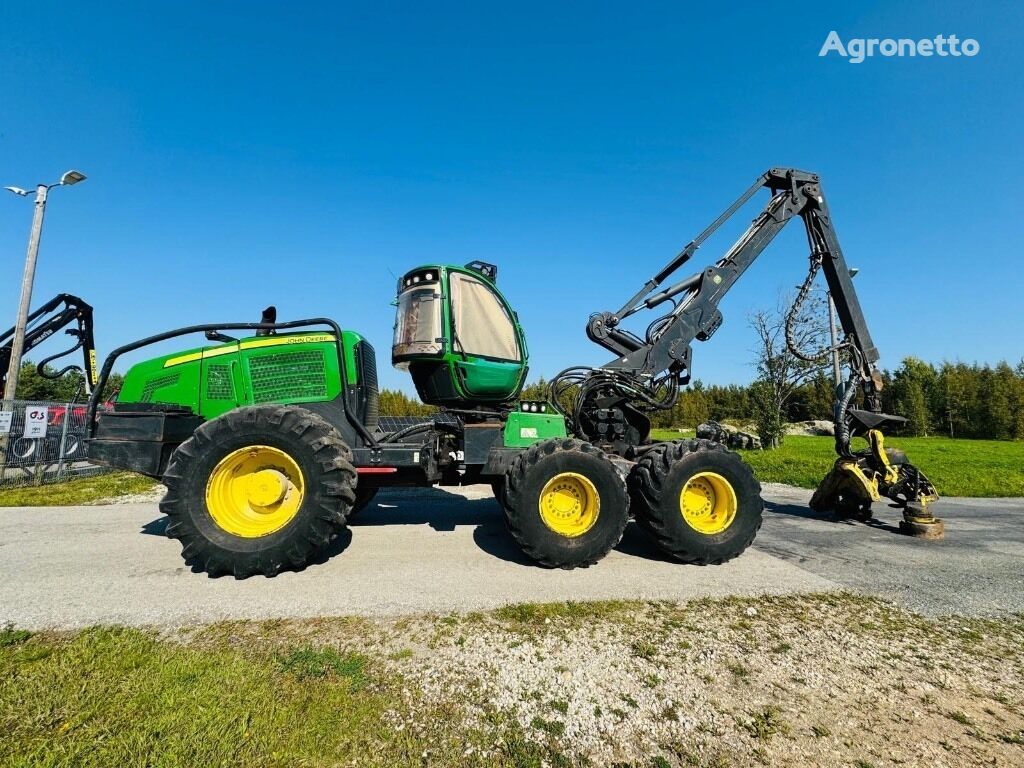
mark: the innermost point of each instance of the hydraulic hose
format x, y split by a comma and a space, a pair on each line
841, 427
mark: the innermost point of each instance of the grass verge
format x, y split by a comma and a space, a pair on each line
108, 696
983, 468
82, 490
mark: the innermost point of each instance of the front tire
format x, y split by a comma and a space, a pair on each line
699, 501
258, 490
565, 503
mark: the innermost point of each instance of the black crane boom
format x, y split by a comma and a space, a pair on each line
63, 310
696, 315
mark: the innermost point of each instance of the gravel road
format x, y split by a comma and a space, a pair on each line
432, 550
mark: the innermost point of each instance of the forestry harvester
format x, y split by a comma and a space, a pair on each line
269, 443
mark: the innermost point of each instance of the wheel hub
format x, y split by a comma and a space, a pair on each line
569, 504
254, 491
708, 503
267, 487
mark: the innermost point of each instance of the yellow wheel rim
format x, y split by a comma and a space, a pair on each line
708, 503
569, 504
254, 491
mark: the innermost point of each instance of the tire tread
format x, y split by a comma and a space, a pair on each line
334, 491
512, 500
648, 484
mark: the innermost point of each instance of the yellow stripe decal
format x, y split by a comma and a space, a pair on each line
199, 355
268, 341
182, 359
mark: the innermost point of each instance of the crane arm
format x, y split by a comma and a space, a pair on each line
60, 311
695, 316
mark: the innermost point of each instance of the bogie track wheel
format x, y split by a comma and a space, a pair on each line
258, 490
699, 501
565, 503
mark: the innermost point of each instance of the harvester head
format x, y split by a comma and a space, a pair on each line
858, 479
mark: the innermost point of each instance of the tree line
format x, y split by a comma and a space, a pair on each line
957, 399
34, 386
952, 399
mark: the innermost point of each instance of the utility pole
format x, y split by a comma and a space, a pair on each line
833, 331
28, 279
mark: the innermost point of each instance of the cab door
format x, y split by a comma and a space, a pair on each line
488, 345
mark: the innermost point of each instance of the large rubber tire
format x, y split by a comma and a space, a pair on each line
528, 476
364, 495
657, 482
329, 491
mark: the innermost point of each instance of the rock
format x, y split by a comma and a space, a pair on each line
814, 427
728, 435
712, 430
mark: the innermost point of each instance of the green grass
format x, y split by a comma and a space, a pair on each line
957, 467
307, 662
83, 490
105, 697
532, 614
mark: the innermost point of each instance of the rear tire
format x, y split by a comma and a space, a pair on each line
258, 490
565, 503
699, 501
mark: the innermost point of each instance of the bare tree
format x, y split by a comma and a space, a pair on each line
780, 372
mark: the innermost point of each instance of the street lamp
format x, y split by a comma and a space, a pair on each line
18, 342
72, 177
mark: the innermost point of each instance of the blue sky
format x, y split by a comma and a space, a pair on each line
305, 154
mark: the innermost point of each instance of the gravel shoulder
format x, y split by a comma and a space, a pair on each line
819, 680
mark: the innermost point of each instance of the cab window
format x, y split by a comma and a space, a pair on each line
481, 322
418, 323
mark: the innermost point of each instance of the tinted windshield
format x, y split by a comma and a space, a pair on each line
418, 323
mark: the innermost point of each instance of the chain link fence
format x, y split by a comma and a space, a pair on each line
43, 442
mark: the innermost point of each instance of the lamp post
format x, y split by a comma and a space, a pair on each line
18, 342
